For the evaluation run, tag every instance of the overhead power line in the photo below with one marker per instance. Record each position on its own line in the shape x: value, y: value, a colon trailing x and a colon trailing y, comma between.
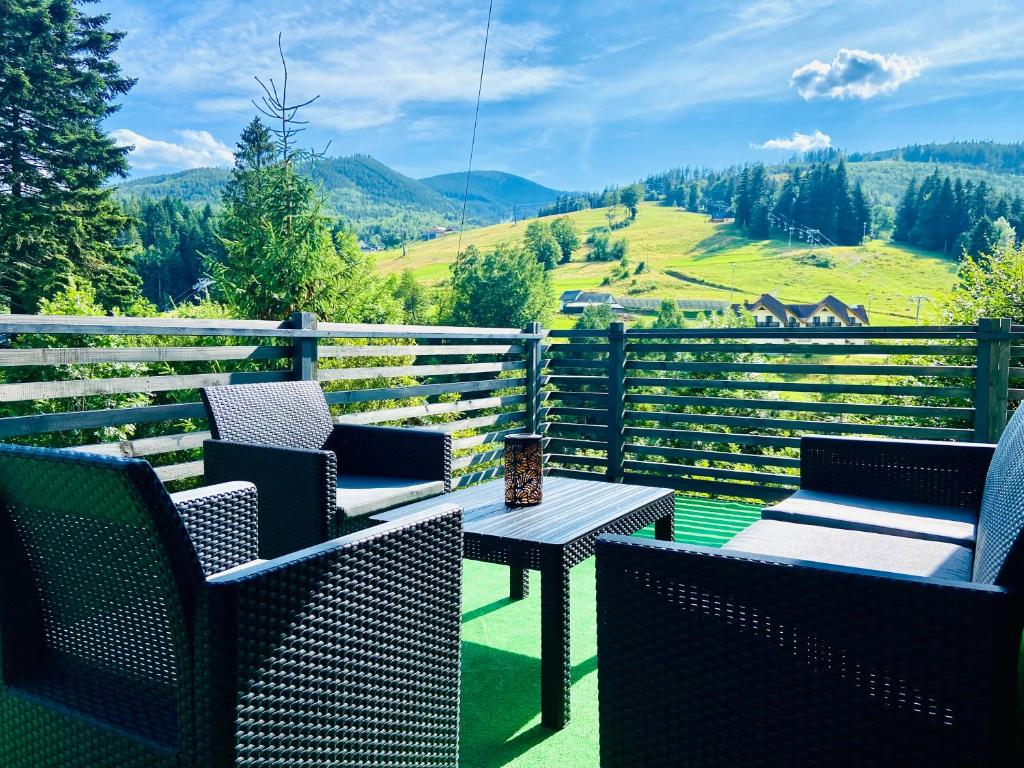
x: 476, y: 120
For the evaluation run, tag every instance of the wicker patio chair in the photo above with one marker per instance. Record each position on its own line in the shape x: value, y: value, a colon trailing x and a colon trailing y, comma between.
x: 314, y: 475
x: 801, y: 645
x: 137, y: 631
x: 923, y: 489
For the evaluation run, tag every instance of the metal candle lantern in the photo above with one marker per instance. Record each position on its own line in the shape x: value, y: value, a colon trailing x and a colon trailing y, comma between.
x: 524, y: 470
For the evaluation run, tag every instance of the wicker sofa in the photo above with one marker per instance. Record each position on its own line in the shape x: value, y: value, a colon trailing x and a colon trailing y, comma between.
x: 140, y: 629
x: 801, y: 645
x: 314, y: 476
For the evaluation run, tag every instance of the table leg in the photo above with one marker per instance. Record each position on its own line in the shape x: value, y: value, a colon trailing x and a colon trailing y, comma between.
x: 664, y: 527
x: 554, y: 647
x: 518, y: 582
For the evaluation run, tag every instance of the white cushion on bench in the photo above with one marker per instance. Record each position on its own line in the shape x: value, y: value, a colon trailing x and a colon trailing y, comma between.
x: 360, y: 495
x: 855, y: 549
x: 897, y: 518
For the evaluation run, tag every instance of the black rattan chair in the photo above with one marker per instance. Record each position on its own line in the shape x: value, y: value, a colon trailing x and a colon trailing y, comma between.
x: 314, y: 475
x: 135, y: 631
x: 805, y: 645
x: 923, y: 489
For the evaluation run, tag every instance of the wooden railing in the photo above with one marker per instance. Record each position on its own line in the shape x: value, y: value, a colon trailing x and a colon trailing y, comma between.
x: 721, y: 411
x: 716, y: 411
x: 129, y: 386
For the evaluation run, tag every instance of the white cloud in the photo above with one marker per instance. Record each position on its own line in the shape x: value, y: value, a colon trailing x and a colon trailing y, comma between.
x: 798, y: 142
x: 855, y: 74
x: 197, y: 149
x: 371, y: 62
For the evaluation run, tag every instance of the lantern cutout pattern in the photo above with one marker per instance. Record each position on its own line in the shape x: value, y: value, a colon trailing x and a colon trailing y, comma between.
x: 524, y: 471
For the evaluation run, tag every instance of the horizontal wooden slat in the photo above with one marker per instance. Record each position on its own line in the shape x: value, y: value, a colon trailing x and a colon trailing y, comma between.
x: 179, y: 471
x: 579, y: 474
x: 141, y: 326
x: 576, y: 333
x: 15, y: 426
x: 421, y: 390
x: 575, y: 364
x: 487, y: 438
x: 476, y: 459
x: 596, y: 431
x: 384, y: 331
x: 478, y: 477
x: 92, y: 355
x: 718, y: 473
x: 710, y: 487
x: 148, y: 446
x: 754, y: 404
x: 813, y: 332
x: 948, y: 371
x: 799, y: 386
x: 578, y: 347
x: 573, y: 458
x: 562, y: 444
x: 455, y: 369
x: 818, y: 349
x: 575, y: 397
x: 45, y: 390
x: 600, y: 415
x: 805, y: 426
x: 478, y: 422
x: 418, y: 350
x: 721, y: 438
x: 176, y: 326
x: 697, y: 454
x: 430, y: 409
x: 574, y: 381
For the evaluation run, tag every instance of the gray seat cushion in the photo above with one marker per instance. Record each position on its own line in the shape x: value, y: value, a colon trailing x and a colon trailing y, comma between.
x: 897, y: 518
x: 360, y: 495
x: 855, y: 549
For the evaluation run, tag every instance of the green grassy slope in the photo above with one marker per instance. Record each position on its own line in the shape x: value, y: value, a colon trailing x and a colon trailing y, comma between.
x: 688, y: 257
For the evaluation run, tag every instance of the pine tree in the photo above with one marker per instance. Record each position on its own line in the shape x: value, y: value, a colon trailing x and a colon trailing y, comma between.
x: 862, y: 211
x: 693, y: 199
x: 58, y: 82
x: 847, y: 223
x: 741, y: 200
x: 906, y: 214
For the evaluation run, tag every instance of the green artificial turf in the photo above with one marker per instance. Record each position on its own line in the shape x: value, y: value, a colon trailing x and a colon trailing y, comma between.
x: 501, y: 655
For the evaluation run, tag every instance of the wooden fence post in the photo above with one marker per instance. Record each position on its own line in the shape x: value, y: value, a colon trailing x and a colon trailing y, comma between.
x: 616, y: 401
x: 304, y: 361
x: 992, y: 382
x: 533, y: 383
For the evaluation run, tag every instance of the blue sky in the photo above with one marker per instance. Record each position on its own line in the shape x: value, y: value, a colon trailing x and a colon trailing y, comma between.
x: 576, y: 94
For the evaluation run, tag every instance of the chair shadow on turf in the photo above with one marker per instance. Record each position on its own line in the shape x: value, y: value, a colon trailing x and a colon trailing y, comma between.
x: 500, y: 695
x: 483, y: 610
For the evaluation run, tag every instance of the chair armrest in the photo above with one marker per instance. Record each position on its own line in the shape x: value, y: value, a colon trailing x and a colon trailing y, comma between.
x: 922, y: 471
x: 889, y: 669
x: 392, y: 452
x: 296, y: 489
x: 355, y: 641
x: 222, y: 521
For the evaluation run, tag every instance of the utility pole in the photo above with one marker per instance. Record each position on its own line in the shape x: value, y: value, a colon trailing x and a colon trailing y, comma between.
x: 919, y: 300
x: 515, y: 218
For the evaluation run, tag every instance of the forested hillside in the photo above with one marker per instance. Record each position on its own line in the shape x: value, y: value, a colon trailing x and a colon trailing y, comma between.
x: 493, y: 195
x: 990, y: 155
x: 385, y: 206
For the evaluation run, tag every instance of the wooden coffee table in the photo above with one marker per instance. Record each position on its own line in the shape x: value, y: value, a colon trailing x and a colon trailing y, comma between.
x: 551, y: 538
